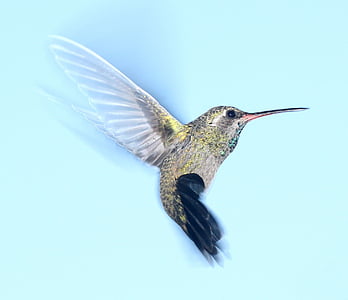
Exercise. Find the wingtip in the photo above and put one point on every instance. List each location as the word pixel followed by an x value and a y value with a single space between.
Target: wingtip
pixel 57 37
pixel 57 41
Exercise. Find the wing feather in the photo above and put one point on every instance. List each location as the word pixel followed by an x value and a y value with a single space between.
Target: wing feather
pixel 118 107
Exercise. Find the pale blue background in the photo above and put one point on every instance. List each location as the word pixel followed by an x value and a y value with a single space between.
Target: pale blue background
pixel 81 218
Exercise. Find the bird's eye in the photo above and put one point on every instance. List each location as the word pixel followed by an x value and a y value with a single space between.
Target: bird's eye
pixel 231 113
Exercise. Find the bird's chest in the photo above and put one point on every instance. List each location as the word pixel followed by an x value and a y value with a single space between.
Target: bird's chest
pixel 202 154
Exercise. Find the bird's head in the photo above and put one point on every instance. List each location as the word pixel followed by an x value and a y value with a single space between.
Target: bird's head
pixel 232 120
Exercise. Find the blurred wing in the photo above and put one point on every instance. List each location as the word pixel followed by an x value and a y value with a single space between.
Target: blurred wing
pixel 118 107
pixel 199 224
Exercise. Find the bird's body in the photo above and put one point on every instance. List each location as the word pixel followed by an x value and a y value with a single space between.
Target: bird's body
pixel 188 155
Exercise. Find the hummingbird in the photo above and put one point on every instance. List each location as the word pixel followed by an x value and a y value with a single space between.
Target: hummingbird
pixel 187 155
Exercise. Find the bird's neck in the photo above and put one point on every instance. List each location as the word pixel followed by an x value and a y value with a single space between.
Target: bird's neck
pixel 231 142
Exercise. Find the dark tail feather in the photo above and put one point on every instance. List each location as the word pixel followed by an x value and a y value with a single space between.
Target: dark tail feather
pixel 202 227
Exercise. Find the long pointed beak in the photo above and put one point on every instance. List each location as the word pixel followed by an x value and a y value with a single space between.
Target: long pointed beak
pixel 252 116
